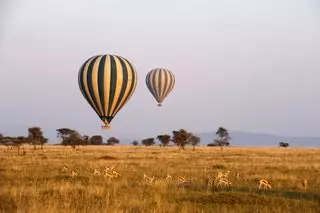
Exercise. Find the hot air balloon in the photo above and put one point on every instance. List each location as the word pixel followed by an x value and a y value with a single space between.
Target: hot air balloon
pixel 107 82
pixel 160 82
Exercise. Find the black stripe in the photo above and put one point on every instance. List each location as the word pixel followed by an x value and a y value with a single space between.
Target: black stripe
pixel 171 82
pixel 134 80
pixel 89 81
pixel 165 85
pixel 113 83
pixel 160 83
pixel 101 82
pixel 124 83
pixel 148 82
pixel 154 85
pixel 81 84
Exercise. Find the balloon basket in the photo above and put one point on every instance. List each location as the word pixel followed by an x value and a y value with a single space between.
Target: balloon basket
pixel 106 127
pixel 159 105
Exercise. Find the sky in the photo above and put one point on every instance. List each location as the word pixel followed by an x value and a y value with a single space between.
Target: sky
pixel 246 65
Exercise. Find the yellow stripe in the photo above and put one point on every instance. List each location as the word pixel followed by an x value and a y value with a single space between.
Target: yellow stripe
pixel 163 83
pixel 85 83
pixel 118 84
pixel 95 84
pixel 129 83
pixel 171 81
pixel 157 74
pixel 107 76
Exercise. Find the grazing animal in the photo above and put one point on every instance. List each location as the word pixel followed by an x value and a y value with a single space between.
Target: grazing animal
pixel 111 172
pixel 148 179
pixel 168 178
pixel 96 172
pixel 65 168
pixel 305 183
pixel 283 144
pixel 264 183
pixel 183 181
pixel 73 173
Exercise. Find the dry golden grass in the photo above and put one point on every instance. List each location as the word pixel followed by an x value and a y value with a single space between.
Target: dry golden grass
pixel 37 182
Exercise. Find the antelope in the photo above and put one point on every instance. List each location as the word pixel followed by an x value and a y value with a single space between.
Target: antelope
pixel 168 178
pixel 183 181
pixel 65 168
pixel 96 172
pixel 264 183
pixel 73 173
pixel 148 179
pixel 111 172
pixel 305 183
pixel 224 182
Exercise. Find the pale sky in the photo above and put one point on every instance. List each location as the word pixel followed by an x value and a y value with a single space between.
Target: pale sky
pixel 248 65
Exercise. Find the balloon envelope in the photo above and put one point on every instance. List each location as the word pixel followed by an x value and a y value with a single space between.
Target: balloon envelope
pixel 107 82
pixel 160 83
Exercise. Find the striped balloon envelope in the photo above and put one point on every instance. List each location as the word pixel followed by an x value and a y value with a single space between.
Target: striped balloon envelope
pixel 107 82
pixel 160 83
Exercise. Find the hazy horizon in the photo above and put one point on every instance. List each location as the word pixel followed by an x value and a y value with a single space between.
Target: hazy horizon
pixel 244 65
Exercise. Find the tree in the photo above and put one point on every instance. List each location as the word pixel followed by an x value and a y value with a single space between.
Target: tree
pixel 35 137
pixel 70 137
pixel 148 141
pixel 135 143
pixel 64 133
pixel 96 140
pixel 164 139
pixel 85 140
pixel 181 138
pixel 194 140
pixel 73 140
pixel 112 141
pixel 224 137
pixel 283 144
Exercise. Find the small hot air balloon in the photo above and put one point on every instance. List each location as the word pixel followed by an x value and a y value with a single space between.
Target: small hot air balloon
pixel 160 83
pixel 107 82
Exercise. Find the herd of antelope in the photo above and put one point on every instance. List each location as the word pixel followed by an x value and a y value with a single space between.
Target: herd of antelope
pixel 219 181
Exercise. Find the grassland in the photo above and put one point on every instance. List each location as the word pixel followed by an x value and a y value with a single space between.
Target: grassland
pixel 35 182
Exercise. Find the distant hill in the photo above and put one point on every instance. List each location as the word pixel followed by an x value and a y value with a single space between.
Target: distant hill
pixel 260 139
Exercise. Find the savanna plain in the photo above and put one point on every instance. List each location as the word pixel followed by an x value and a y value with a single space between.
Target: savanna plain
pixel 159 179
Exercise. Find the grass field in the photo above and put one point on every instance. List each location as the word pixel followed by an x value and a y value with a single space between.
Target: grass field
pixel 35 182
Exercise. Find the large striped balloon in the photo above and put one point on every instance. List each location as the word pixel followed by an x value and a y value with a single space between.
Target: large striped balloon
pixel 107 82
pixel 160 83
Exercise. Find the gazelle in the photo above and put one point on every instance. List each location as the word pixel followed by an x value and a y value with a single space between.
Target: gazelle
pixel 265 184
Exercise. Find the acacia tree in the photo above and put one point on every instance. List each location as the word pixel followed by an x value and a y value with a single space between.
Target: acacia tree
pixel 35 137
pixel 96 140
pixel 164 139
pixel 112 141
pixel 223 137
pixel 181 138
pixel 135 143
pixel 70 137
pixel 194 140
pixel 64 133
pixel 148 141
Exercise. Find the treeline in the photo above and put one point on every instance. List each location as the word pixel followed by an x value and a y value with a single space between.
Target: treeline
pixel 35 137
pixel 70 137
